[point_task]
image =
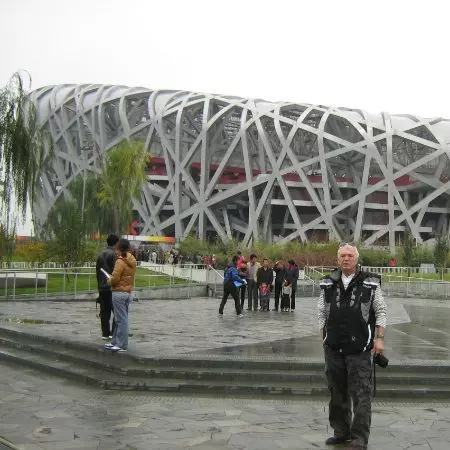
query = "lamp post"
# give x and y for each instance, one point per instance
(84, 148)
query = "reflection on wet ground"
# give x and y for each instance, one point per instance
(418, 329)
(24, 320)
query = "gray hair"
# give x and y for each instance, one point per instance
(347, 245)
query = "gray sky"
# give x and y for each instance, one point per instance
(379, 56)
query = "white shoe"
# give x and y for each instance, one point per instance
(240, 315)
(108, 346)
(117, 349)
(220, 315)
(105, 338)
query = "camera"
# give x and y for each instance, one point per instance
(380, 360)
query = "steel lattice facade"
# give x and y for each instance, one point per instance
(232, 167)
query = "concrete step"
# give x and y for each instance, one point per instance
(84, 373)
(93, 365)
(106, 361)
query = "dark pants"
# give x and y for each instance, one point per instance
(278, 287)
(242, 290)
(293, 298)
(230, 288)
(106, 308)
(252, 289)
(350, 383)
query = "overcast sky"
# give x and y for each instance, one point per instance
(375, 55)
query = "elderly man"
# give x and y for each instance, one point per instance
(352, 319)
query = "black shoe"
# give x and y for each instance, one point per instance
(275, 309)
(333, 440)
(249, 309)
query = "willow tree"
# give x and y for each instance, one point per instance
(123, 176)
(21, 146)
(97, 218)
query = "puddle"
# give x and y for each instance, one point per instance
(23, 320)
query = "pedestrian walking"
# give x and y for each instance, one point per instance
(352, 320)
(231, 283)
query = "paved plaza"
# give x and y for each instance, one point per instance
(418, 329)
(44, 412)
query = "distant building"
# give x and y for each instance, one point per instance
(226, 167)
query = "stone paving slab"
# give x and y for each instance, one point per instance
(418, 330)
(49, 413)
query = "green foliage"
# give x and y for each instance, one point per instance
(65, 233)
(30, 251)
(441, 250)
(98, 218)
(407, 250)
(122, 179)
(22, 144)
(7, 243)
(374, 258)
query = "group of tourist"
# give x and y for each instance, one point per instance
(352, 320)
(257, 281)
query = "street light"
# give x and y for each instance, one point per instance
(84, 148)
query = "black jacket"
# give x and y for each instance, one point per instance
(280, 275)
(106, 260)
(264, 276)
(292, 275)
(350, 325)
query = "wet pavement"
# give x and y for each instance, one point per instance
(39, 412)
(418, 329)
(43, 412)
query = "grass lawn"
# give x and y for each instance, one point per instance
(86, 281)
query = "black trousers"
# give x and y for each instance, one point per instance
(106, 309)
(278, 287)
(252, 289)
(242, 290)
(230, 289)
(350, 383)
(293, 299)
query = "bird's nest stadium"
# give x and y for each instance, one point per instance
(225, 166)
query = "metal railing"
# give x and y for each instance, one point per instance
(46, 282)
(397, 280)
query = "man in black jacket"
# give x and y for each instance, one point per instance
(264, 274)
(292, 274)
(352, 319)
(280, 276)
(106, 260)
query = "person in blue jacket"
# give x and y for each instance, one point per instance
(231, 284)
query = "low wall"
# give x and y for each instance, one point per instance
(416, 289)
(22, 279)
(175, 292)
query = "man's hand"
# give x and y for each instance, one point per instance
(378, 346)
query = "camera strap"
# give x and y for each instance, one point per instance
(374, 376)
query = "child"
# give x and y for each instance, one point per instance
(286, 292)
(264, 295)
